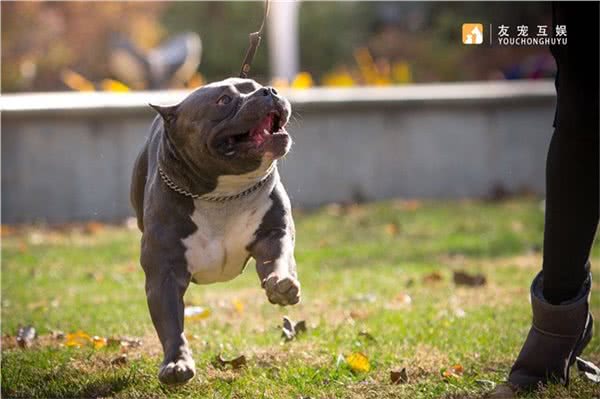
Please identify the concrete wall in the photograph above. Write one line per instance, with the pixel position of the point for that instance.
(68, 156)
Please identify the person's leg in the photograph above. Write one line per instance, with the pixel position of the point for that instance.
(562, 323)
(572, 163)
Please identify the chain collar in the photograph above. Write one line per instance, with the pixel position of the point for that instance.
(214, 198)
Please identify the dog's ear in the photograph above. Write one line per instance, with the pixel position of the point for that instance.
(168, 113)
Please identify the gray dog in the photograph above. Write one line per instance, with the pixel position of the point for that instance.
(207, 195)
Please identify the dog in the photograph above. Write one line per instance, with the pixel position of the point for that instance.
(207, 196)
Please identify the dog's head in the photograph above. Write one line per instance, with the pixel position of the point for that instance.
(229, 127)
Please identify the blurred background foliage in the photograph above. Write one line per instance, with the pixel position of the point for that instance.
(341, 43)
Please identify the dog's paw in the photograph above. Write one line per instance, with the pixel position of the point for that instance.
(178, 371)
(282, 291)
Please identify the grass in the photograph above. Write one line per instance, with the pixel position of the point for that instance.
(356, 264)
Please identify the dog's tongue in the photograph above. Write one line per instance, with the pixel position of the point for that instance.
(257, 132)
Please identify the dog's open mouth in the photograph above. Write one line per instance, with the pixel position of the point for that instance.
(270, 125)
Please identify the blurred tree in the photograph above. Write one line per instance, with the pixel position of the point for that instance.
(41, 39)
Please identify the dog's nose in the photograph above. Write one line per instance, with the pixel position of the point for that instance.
(266, 91)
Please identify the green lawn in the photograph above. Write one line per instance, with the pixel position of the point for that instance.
(357, 266)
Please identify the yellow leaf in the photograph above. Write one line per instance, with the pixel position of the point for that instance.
(238, 305)
(302, 81)
(75, 81)
(114, 85)
(195, 313)
(401, 72)
(77, 339)
(455, 371)
(99, 342)
(358, 362)
(339, 78)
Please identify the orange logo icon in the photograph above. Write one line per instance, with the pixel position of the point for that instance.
(472, 33)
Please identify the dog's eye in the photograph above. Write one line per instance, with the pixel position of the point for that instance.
(223, 100)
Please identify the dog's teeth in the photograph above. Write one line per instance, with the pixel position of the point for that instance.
(266, 131)
(230, 153)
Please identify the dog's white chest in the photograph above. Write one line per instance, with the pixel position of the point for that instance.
(217, 250)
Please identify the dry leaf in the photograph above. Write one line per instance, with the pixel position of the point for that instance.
(235, 363)
(589, 370)
(25, 336)
(403, 299)
(77, 339)
(455, 371)
(433, 277)
(238, 305)
(358, 362)
(119, 360)
(123, 342)
(392, 229)
(99, 342)
(291, 329)
(399, 376)
(195, 313)
(93, 228)
(470, 280)
(359, 314)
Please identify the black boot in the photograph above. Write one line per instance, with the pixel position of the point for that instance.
(558, 335)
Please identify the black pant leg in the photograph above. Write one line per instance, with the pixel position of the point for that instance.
(572, 179)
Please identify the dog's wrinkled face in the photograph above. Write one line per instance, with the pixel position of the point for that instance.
(229, 127)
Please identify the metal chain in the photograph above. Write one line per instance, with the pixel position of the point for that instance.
(171, 184)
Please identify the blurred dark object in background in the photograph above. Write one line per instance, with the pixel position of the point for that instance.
(170, 65)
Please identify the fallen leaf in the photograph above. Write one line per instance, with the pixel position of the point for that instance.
(359, 314)
(195, 313)
(392, 229)
(399, 376)
(99, 342)
(358, 362)
(123, 342)
(589, 370)
(77, 339)
(291, 329)
(470, 280)
(238, 305)
(93, 228)
(235, 363)
(25, 336)
(367, 336)
(433, 277)
(119, 360)
(402, 299)
(455, 371)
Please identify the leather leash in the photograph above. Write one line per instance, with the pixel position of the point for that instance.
(255, 38)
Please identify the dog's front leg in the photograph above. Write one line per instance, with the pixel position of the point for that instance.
(276, 266)
(164, 292)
